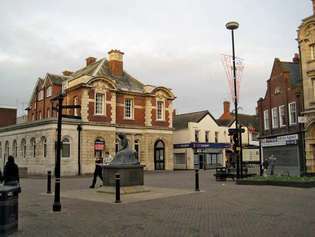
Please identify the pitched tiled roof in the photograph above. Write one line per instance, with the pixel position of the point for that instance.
(294, 72)
(181, 120)
(56, 79)
(101, 68)
(245, 120)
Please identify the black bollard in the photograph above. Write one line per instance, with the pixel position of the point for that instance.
(117, 178)
(197, 180)
(49, 182)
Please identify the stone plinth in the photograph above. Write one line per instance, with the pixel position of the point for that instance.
(130, 175)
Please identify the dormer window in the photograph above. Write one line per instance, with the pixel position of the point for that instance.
(277, 90)
(48, 91)
(40, 95)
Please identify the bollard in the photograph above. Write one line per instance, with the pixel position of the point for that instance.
(49, 182)
(197, 180)
(117, 178)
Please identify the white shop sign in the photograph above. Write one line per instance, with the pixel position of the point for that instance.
(280, 141)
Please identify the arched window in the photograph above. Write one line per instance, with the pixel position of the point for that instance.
(0, 150)
(117, 145)
(23, 148)
(137, 149)
(99, 147)
(65, 148)
(14, 149)
(6, 150)
(159, 153)
(33, 147)
(44, 146)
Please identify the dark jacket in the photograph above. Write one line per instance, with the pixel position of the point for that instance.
(11, 172)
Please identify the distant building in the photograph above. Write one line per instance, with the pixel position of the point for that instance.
(199, 142)
(7, 116)
(278, 118)
(306, 40)
(249, 123)
(112, 102)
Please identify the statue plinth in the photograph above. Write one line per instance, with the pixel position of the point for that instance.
(130, 175)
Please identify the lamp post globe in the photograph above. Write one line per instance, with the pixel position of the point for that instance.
(232, 25)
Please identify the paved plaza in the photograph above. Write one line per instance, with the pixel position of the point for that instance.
(220, 209)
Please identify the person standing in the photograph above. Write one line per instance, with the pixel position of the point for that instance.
(97, 171)
(11, 172)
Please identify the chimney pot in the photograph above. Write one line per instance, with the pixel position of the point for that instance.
(115, 58)
(90, 60)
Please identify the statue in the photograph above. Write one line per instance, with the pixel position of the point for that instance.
(125, 156)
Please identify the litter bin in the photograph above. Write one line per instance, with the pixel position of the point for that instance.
(220, 174)
(8, 209)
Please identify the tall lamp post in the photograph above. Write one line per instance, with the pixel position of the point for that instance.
(233, 25)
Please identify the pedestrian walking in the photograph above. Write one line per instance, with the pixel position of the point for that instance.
(11, 172)
(97, 172)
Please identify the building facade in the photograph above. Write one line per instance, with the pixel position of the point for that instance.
(306, 40)
(8, 116)
(250, 143)
(112, 102)
(199, 142)
(280, 132)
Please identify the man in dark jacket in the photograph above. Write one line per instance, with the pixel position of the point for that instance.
(11, 172)
(98, 171)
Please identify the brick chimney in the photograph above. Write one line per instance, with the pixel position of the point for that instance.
(226, 111)
(90, 60)
(115, 58)
(67, 73)
(296, 58)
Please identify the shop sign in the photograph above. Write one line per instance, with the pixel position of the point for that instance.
(99, 146)
(280, 141)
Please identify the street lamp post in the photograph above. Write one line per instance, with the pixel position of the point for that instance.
(233, 25)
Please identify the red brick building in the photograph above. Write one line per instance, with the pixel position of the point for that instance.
(278, 117)
(7, 116)
(112, 101)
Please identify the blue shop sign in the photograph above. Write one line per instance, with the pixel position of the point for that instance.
(198, 145)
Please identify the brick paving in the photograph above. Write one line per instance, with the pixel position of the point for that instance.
(222, 209)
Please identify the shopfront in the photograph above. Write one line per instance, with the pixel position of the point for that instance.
(201, 155)
(285, 152)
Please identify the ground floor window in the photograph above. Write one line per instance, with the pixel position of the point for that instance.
(159, 152)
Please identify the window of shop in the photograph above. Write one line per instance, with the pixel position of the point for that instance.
(274, 113)
(292, 113)
(282, 115)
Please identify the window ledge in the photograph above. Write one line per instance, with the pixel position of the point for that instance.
(311, 61)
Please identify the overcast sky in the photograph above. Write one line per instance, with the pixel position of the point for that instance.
(175, 43)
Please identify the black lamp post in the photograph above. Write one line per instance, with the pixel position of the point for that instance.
(233, 25)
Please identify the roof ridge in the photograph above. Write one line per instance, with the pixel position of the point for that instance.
(194, 112)
(98, 67)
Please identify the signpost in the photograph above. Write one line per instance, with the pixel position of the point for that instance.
(59, 108)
